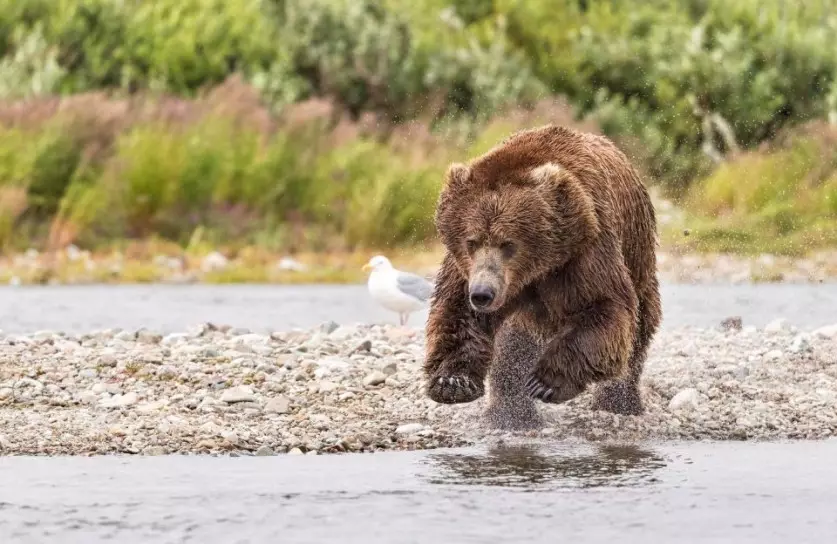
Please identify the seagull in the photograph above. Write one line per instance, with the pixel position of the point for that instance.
(395, 290)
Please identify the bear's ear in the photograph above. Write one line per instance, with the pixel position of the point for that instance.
(567, 197)
(457, 174)
(546, 174)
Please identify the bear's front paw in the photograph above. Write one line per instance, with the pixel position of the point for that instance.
(619, 398)
(513, 415)
(454, 389)
(552, 394)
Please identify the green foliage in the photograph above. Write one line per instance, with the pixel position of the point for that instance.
(678, 74)
(782, 201)
(686, 84)
(372, 58)
(212, 175)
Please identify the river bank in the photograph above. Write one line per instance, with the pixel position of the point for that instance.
(338, 389)
(72, 266)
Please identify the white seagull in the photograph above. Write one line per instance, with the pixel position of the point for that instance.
(395, 290)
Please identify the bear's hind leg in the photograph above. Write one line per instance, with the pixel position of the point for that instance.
(623, 396)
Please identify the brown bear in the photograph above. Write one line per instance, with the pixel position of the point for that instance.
(550, 242)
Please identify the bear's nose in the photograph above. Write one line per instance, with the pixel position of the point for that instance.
(481, 295)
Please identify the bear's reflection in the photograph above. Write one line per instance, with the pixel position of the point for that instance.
(529, 467)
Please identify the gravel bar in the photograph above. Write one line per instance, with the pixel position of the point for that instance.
(332, 389)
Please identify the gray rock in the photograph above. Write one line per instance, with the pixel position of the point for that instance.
(375, 378)
(800, 344)
(210, 428)
(120, 401)
(231, 437)
(145, 336)
(87, 397)
(29, 383)
(126, 336)
(777, 325)
(174, 338)
(6, 393)
(107, 360)
(151, 407)
(265, 451)
(409, 428)
(5, 443)
(773, 355)
(329, 327)
(829, 331)
(278, 405)
(733, 323)
(154, 450)
(685, 400)
(390, 369)
(327, 386)
(241, 393)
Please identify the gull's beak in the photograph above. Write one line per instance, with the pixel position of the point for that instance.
(366, 267)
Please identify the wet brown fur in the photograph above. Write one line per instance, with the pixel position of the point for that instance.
(582, 277)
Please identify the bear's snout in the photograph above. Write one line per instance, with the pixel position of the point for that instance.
(481, 295)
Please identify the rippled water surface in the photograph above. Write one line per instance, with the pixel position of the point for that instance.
(682, 492)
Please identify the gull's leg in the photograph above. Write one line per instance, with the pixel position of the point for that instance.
(406, 318)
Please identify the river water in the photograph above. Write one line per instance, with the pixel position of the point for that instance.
(168, 308)
(699, 492)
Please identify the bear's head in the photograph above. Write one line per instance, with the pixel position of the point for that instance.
(508, 227)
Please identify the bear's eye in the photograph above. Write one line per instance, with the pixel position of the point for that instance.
(471, 245)
(508, 249)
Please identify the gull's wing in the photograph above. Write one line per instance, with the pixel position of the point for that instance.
(414, 286)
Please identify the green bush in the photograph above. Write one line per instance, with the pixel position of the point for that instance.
(783, 200)
(690, 78)
(209, 172)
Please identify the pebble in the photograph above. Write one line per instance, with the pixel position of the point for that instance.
(327, 387)
(265, 451)
(733, 323)
(238, 394)
(829, 331)
(409, 428)
(777, 325)
(687, 399)
(375, 378)
(279, 405)
(231, 437)
(317, 394)
(145, 336)
(773, 355)
(329, 327)
(800, 344)
(120, 401)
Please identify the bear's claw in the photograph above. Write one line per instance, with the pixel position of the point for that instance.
(555, 394)
(537, 390)
(454, 389)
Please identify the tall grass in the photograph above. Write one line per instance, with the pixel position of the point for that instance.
(781, 199)
(222, 169)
